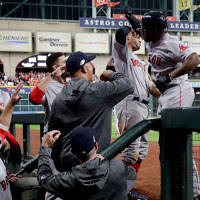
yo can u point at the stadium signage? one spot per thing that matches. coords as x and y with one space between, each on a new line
104 23
20 41
194 84
53 42
24 90
92 42
192 42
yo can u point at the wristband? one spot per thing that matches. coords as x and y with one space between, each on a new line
51 74
36 96
5 128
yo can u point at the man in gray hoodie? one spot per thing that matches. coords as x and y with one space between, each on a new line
95 179
84 103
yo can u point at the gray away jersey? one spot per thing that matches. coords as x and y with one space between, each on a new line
128 63
166 55
5 193
53 90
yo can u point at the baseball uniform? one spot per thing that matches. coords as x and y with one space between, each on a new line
166 55
5 193
133 108
53 90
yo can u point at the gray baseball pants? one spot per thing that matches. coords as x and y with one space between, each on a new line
129 113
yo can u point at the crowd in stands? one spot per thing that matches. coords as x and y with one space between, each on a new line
33 78
194 75
29 78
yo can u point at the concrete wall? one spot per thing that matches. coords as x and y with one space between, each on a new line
11 59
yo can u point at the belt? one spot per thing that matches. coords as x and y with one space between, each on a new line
139 100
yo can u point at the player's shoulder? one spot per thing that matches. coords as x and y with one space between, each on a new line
171 39
171 43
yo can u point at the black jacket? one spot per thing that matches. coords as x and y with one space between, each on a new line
93 180
83 103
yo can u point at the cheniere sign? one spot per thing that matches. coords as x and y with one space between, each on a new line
20 41
104 23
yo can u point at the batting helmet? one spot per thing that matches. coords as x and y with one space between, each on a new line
154 20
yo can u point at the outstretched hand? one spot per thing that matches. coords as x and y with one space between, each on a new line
50 138
15 98
128 12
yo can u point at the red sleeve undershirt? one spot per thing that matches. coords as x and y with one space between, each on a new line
36 96
11 139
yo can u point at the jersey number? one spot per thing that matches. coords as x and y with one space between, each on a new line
154 59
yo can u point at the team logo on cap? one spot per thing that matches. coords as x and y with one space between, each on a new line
94 138
82 62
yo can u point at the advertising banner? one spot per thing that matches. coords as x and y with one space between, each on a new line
122 16
98 3
92 43
24 90
193 42
53 42
20 41
104 23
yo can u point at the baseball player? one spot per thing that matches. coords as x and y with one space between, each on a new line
170 62
134 108
46 91
5 119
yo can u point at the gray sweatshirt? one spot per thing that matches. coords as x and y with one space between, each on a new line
93 180
83 103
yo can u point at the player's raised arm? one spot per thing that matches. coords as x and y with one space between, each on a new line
135 23
6 115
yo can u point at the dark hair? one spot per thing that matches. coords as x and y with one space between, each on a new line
52 59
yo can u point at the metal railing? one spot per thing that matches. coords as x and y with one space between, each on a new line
26 120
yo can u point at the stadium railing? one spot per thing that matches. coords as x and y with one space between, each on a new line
26 119
178 128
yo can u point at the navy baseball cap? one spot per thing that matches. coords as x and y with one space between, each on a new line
82 139
77 60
